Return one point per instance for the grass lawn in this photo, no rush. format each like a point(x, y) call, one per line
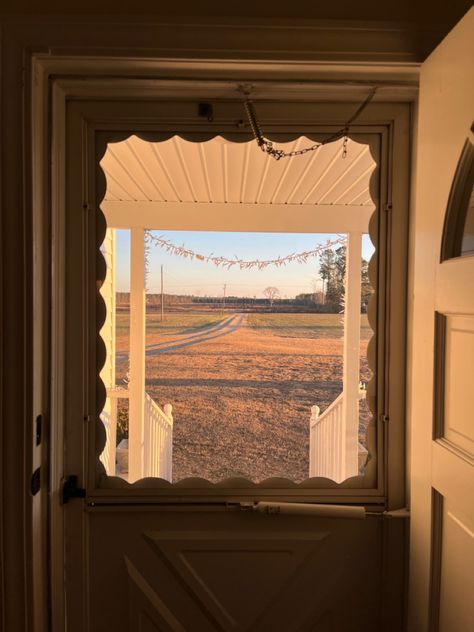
point(174, 323)
point(284, 325)
point(242, 402)
point(305, 325)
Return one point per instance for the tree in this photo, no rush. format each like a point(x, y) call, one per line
point(366, 287)
point(318, 293)
point(326, 268)
point(337, 289)
point(332, 269)
point(271, 293)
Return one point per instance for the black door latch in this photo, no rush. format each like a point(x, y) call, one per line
point(71, 490)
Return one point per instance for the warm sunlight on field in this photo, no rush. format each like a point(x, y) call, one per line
point(242, 387)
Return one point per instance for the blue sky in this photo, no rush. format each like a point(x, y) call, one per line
point(183, 276)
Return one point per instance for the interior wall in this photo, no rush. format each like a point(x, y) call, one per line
point(16, 313)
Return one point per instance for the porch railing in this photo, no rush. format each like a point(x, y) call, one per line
point(157, 437)
point(158, 444)
point(328, 442)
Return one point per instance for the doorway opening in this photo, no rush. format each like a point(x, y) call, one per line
point(237, 292)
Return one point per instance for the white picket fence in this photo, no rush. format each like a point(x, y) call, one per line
point(158, 444)
point(157, 439)
point(329, 451)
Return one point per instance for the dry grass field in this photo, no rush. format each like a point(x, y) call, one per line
point(242, 400)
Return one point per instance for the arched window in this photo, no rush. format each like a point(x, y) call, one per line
point(458, 232)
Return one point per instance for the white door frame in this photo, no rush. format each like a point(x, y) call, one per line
point(46, 67)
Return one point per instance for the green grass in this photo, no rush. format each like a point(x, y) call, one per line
point(305, 325)
point(122, 323)
point(179, 322)
point(285, 325)
point(183, 322)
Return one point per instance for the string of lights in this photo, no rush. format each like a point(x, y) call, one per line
point(242, 264)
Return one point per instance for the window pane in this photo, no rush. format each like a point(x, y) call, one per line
point(237, 354)
point(467, 245)
point(458, 234)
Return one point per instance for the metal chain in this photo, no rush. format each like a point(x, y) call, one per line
point(268, 147)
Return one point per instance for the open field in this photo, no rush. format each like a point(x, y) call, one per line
point(305, 325)
point(242, 387)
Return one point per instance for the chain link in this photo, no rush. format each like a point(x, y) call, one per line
point(267, 146)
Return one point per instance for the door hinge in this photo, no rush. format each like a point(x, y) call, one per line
point(387, 207)
point(384, 417)
point(70, 489)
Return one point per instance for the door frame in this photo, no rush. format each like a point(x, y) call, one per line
point(56, 80)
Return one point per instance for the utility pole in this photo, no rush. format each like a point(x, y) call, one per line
point(162, 297)
point(223, 301)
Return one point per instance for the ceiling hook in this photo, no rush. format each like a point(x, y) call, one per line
point(245, 89)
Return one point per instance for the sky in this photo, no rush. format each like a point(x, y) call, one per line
point(184, 276)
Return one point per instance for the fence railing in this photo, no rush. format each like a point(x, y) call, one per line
point(158, 440)
point(157, 437)
point(327, 441)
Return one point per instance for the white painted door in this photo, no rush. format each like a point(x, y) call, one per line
point(442, 349)
point(154, 556)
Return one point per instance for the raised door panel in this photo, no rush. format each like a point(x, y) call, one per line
point(454, 393)
point(459, 385)
point(223, 571)
point(456, 604)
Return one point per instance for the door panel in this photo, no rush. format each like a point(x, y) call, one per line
point(458, 392)
point(131, 566)
point(456, 608)
point(442, 366)
point(157, 570)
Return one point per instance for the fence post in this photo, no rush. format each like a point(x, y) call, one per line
point(168, 471)
point(315, 410)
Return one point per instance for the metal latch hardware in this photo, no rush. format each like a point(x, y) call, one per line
point(39, 429)
point(71, 490)
point(306, 509)
point(35, 485)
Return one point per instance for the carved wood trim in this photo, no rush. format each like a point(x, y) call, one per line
point(439, 375)
point(435, 559)
point(167, 620)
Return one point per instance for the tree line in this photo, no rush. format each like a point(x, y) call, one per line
point(332, 270)
point(330, 298)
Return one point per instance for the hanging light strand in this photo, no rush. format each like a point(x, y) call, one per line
point(243, 264)
point(268, 147)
